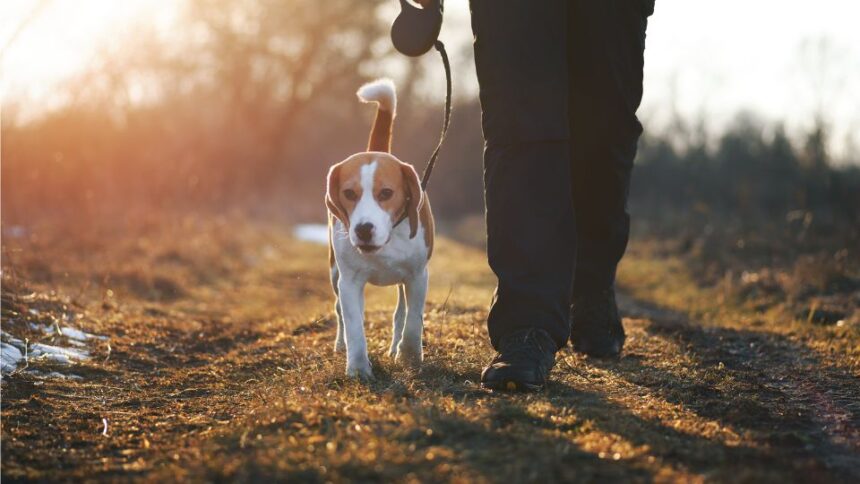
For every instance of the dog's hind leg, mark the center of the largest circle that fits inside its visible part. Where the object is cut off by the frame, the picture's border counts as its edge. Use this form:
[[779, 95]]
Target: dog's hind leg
[[339, 345], [399, 320], [410, 350]]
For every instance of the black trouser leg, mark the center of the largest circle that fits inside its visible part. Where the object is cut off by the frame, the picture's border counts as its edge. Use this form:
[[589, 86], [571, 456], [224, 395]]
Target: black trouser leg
[[521, 59], [606, 43], [560, 83]]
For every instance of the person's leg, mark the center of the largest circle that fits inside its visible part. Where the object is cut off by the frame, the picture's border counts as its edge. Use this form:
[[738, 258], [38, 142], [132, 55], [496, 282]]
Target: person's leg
[[606, 45], [521, 60]]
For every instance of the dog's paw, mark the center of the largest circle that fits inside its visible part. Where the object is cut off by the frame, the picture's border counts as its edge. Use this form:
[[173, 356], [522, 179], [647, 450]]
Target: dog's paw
[[360, 370], [409, 356]]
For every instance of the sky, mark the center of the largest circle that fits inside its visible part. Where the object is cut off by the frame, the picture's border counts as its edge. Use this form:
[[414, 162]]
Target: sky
[[779, 59]]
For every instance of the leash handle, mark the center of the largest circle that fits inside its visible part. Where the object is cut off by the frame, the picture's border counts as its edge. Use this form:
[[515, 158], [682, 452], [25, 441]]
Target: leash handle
[[428, 170]]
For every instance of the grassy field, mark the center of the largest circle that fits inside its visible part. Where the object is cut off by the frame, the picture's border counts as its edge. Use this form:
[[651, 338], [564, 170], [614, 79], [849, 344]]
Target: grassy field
[[218, 365]]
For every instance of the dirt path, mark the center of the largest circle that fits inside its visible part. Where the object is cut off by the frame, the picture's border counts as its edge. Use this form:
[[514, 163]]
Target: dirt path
[[219, 366]]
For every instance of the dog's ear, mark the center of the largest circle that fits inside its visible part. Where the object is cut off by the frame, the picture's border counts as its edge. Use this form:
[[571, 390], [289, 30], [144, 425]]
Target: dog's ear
[[332, 195], [414, 196]]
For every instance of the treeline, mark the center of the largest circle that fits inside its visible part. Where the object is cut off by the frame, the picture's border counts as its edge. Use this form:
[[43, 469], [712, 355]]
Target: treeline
[[751, 172]]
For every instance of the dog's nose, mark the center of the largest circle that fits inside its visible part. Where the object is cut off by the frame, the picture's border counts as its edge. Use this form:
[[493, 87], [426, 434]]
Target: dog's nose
[[364, 231]]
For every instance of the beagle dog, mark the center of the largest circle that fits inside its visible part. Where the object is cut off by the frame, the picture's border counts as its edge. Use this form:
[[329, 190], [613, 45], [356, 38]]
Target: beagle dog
[[368, 194]]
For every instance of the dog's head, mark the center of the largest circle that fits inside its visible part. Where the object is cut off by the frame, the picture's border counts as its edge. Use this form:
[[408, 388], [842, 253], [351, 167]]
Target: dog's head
[[369, 192]]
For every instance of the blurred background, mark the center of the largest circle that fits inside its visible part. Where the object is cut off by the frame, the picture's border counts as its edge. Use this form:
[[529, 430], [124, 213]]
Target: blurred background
[[113, 109]]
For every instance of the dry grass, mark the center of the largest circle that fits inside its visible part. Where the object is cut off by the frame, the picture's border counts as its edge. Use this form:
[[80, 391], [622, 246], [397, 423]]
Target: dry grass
[[220, 367]]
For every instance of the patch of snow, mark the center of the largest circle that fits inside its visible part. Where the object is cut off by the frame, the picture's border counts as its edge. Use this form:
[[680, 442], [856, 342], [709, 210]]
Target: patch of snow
[[316, 233], [11, 339], [15, 231], [79, 335], [10, 356], [75, 334], [58, 354], [55, 374], [68, 331], [13, 350]]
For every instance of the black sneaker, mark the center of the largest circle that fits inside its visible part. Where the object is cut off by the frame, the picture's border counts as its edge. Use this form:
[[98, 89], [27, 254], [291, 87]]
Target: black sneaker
[[595, 326], [523, 363]]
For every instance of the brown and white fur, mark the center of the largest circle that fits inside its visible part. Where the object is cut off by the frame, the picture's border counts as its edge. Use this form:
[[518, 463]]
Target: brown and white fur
[[367, 194]]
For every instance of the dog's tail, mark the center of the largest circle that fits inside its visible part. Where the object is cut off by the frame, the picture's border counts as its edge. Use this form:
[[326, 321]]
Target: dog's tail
[[382, 92]]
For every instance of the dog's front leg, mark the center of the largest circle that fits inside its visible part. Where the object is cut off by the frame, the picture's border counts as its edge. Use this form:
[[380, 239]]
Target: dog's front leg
[[351, 293], [410, 351]]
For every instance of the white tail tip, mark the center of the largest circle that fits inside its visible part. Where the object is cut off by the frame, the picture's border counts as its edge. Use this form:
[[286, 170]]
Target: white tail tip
[[380, 91]]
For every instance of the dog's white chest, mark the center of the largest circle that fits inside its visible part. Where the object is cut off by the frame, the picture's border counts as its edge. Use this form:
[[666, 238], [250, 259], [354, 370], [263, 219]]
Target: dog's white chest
[[394, 263]]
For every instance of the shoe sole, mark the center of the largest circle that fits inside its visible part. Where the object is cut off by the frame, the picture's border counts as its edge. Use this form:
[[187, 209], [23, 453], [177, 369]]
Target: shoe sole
[[512, 386]]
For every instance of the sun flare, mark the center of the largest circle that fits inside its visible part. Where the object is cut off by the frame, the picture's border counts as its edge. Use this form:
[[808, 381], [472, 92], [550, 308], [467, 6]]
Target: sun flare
[[46, 41]]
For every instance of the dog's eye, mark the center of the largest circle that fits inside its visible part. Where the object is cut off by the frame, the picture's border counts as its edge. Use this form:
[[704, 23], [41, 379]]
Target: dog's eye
[[350, 195], [385, 194]]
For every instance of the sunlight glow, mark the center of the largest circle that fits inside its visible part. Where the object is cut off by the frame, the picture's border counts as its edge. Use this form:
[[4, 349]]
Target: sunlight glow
[[47, 41]]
